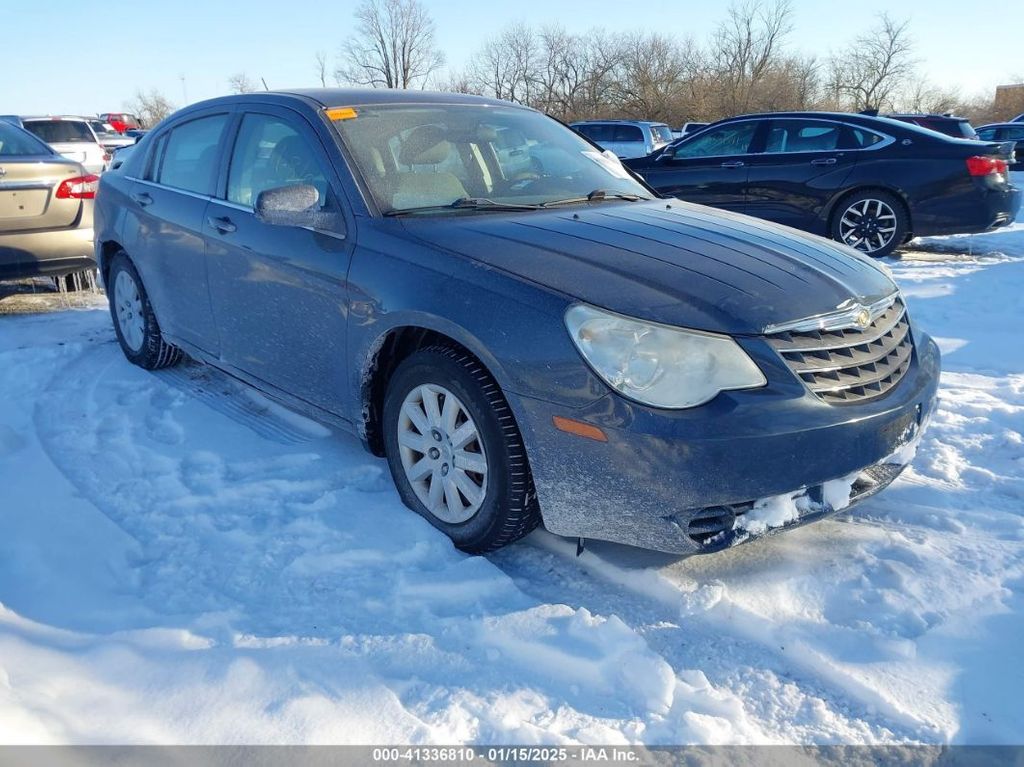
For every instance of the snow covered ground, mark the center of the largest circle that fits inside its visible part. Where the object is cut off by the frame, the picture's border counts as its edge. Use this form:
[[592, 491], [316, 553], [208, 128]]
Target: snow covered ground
[[183, 562]]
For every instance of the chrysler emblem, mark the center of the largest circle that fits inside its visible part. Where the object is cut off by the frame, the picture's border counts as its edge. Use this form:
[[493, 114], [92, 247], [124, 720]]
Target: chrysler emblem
[[2, 172], [863, 318]]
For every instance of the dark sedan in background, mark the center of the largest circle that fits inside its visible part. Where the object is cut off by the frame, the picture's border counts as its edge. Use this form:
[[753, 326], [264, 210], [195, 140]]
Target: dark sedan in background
[[1006, 132], [869, 182]]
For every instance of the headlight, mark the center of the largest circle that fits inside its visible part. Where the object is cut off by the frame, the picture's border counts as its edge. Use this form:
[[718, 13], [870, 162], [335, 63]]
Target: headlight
[[659, 365]]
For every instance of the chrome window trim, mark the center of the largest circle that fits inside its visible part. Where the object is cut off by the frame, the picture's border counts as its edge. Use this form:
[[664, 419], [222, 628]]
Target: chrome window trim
[[887, 140], [843, 318], [158, 185], [232, 205]]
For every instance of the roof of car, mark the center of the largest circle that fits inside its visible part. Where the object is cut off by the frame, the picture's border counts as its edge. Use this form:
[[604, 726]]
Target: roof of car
[[617, 121], [998, 125], [56, 118], [929, 115], [340, 97]]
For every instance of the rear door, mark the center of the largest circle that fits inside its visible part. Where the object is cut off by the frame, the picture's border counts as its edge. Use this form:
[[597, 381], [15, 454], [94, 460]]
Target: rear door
[[801, 164], [280, 292], [710, 169], [165, 224]]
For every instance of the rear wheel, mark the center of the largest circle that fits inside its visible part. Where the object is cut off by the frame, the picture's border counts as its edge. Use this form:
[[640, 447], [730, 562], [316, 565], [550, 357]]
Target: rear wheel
[[134, 322], [455, 452], [873, 222]]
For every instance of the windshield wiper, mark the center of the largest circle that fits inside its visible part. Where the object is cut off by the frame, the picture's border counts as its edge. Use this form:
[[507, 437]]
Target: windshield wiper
[[465, 203], [597, 195]]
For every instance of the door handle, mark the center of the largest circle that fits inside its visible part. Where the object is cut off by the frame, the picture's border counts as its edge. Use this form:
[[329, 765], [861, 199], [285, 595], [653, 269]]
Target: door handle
[[733, 164], [142, 198], [222, 224], [824, 161]]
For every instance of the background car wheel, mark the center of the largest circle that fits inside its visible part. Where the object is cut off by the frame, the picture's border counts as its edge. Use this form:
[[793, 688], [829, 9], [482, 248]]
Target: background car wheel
[[455, 451], [873, 222], [134, 322]]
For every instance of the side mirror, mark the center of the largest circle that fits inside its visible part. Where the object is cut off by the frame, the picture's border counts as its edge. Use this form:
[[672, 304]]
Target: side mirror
[[288, 205]]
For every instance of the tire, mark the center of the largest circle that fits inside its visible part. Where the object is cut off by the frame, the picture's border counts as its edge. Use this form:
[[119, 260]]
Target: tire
[[136, 327], [506, 505], [872, 221]]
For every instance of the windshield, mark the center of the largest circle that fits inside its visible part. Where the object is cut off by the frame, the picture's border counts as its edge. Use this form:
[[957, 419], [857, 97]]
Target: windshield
[[60, 131], [422, 156]]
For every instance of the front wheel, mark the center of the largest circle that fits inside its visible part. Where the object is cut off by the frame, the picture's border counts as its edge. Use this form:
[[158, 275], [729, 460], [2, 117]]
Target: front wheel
[[455, 452], [873, 222]]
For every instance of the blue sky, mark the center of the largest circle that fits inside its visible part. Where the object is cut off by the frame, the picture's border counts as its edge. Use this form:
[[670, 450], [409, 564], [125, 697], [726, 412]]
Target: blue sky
[[88, 58]]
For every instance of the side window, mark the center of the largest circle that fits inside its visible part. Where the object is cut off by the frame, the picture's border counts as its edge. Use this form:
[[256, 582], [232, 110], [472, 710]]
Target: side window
[[155, 158], [1014, 133], [598, 132], [189, 158], [723, 141], [270, 153], [802, 136], [628, 133], [987, 134], [859, 138]]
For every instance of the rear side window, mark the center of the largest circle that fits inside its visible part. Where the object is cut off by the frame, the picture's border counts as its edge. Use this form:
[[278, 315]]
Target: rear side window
[[60, 131], [802, 136], [1013, 133], [189, 155], [628, 133], [598, 132], [861, 138], [269, 153], [18, 143], [718, 142]]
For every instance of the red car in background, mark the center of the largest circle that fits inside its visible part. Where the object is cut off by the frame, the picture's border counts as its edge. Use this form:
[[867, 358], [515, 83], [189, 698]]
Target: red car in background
[[121, 121]]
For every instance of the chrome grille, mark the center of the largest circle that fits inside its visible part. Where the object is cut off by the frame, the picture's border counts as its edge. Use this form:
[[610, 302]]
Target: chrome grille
[[853, 364]]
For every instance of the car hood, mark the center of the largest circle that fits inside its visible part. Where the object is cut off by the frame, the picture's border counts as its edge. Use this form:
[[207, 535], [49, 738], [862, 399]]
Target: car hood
[[679, 264]]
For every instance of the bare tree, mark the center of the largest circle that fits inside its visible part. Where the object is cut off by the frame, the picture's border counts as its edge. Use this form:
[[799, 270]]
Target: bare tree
[[393, 46], [746, 47], [321, 68], [241, 83], [871, 71], [150, 106]]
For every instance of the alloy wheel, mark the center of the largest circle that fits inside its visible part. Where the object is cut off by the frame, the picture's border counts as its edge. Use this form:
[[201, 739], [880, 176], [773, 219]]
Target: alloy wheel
[[128, 303], [442, 453], [868, 225]]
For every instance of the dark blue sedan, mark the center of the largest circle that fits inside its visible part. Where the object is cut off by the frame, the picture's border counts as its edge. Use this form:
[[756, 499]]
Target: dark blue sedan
[[869, 182], [527, 333]]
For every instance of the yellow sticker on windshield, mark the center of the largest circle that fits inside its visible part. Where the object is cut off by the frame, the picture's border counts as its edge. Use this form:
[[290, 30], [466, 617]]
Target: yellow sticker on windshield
[[341, 113]]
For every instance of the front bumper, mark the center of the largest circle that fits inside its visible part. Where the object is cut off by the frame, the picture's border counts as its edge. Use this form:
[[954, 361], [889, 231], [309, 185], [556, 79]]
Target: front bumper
[[660, 471]]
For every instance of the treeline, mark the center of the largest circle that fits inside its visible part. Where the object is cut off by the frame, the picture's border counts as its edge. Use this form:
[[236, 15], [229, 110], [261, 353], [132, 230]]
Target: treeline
[[745, 65]]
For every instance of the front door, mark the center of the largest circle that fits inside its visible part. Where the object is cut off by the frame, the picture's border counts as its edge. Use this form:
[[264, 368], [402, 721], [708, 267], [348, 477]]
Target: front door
[[279, 292], [711, 169]]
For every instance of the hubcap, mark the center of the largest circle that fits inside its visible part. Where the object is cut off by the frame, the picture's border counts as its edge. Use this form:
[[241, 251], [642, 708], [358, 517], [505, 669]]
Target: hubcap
[[868, 225], [128, 304], [442, 453]]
